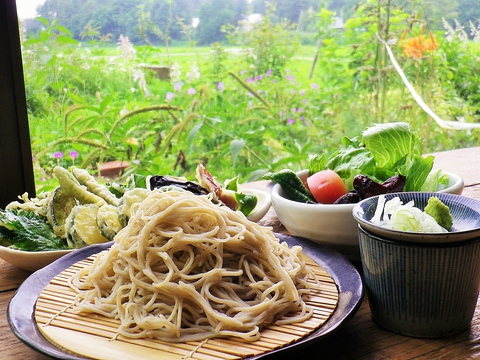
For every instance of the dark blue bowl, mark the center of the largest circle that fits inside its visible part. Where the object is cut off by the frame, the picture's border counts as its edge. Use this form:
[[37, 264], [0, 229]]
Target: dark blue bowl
[[465, 212]]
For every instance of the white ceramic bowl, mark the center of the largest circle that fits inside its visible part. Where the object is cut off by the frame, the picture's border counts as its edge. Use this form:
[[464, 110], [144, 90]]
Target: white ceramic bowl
[[330, 225], [455, 185], [30, 260], [263, 204]]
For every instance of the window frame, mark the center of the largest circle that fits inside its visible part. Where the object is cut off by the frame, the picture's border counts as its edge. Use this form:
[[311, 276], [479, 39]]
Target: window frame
[[16, 165]]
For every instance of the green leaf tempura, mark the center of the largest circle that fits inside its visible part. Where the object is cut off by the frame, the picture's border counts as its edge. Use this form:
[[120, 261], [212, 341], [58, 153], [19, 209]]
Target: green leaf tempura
[[27, 231]]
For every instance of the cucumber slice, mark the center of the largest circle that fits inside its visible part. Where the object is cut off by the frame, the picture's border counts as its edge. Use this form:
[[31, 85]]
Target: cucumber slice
[[81, 226], [131, 197], [59, 206], [110, 221]]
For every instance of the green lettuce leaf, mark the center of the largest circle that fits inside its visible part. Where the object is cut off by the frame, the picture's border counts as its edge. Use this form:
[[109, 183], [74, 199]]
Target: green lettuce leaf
[[347, 163], [392, 144], [435, 180], [383, 151]]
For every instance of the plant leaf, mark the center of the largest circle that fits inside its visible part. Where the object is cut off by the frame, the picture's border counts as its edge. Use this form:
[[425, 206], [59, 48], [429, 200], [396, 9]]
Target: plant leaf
[[236, 147], [193, 132]]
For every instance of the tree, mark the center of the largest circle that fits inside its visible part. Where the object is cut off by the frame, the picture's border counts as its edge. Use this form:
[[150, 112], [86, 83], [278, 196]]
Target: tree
[[469, 11], [258, 6], [438, 9], [346, 9], [285, 9], [216, 13], [291, 10], [165, 14], [110, 16], [336, 6]]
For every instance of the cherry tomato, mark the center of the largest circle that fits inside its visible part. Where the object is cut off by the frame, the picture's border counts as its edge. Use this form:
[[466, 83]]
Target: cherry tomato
[[326, 186]]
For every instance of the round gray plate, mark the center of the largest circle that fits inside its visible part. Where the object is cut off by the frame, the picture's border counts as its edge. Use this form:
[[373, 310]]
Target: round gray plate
[[21, 309]]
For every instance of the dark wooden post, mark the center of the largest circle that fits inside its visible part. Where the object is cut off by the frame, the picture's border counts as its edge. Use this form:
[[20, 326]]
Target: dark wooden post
[[16, 169]]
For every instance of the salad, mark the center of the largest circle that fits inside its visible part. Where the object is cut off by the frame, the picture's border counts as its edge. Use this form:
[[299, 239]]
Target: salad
[[385, 158]]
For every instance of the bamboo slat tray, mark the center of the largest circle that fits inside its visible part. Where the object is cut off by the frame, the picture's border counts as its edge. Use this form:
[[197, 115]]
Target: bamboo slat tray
[[80, 336], [91, 335]]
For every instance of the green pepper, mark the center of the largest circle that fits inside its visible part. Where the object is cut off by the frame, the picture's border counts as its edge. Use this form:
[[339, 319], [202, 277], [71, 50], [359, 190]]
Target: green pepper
[[291, 184]]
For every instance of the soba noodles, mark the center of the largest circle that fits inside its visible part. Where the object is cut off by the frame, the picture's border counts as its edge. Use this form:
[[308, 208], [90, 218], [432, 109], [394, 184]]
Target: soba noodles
[[186, 269]]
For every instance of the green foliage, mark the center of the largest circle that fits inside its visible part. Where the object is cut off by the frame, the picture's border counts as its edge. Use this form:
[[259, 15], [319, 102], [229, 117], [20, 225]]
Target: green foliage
[[218, 60], [216, 13], [244, 110], [266, 46]]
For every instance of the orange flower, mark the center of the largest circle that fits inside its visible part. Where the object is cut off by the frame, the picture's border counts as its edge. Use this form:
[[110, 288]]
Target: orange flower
[[417, 46], [433, 45]]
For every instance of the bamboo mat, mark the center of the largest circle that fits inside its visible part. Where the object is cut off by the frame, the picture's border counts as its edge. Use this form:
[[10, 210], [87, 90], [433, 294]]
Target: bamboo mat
[[91, 335]]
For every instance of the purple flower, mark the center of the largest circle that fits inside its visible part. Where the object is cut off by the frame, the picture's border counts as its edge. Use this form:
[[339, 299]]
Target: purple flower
[[304, 100], [242, 72], [177, 86], [57, 155], [290, 78], [314, 86], [169, 96], [220, 86], [73, 155], [291, 121], [249, 80], [269, 73], [299, 110], [192, 91], [250, 104]]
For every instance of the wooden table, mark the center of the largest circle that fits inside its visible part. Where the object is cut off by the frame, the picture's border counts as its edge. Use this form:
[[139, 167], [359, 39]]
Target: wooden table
[[359, 338]]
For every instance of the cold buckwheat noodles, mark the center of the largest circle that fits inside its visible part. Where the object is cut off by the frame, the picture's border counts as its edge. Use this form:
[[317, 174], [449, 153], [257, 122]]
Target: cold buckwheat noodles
[[185, 269]]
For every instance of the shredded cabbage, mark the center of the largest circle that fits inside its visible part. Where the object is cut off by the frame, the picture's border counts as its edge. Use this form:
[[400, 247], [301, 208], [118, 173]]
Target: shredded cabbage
[[395, 215]]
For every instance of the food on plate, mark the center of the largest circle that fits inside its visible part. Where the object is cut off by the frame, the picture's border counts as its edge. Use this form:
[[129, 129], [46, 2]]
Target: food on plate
[[364, 187], [406, 217], [385, 158], [81, 211], [326, 186], [330, 193], [440, 212], [59, 205], [228, 194], [185, 269], [291, 184], [382, 151], [25, 230], [72, 186]]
